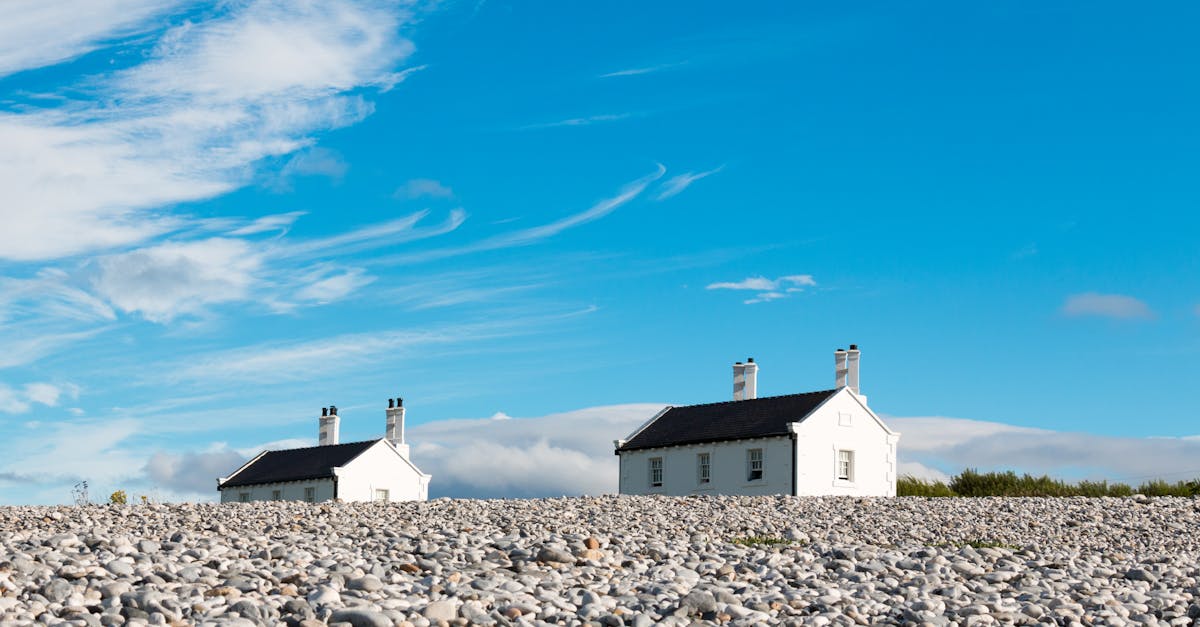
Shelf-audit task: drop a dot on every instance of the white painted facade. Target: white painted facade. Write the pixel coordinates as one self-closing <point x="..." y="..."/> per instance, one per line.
<point x="805" y="463"/>
<point x="381" y="467"/>
<point x="322" y="490"/>
<point x="382" y="471"/>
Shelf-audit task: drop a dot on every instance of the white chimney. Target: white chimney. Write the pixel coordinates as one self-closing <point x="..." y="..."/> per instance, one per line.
<point x="329" y="426"/>
<point x="839" y="367"/>
<point x="751" y="379"/>
<point x="852" y="357"/>
<point x="395" y="425"/>
<point x="739" y="381"/>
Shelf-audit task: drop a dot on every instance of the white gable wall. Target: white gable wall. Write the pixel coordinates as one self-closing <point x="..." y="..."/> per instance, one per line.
<point x="728" y="473"/>
<point x="381" y="467"/>
<point x="825" y="431"/>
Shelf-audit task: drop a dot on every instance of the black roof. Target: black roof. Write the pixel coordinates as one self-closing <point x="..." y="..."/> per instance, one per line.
<point x="298" y="464"/>
<point x="731" y="420"/>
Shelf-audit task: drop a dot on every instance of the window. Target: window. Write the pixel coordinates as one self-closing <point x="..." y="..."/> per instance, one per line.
<point x="310" y="495"/>
<point x="276" y="495"/>
<point x="754" y="464"/>
<point x="845" y="419"/>
<point x="656" y="472"/>
<point x="243" y="497"/>
<point x="381" y="495"/>
<point x="845" y="465"/>
<point x="703" y="467"/>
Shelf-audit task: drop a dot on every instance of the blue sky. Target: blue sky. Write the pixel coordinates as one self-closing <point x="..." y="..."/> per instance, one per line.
<point x="219" y="220"/>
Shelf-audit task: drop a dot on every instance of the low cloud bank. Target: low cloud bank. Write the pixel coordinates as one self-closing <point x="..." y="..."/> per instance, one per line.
<point x="571" y="453"/>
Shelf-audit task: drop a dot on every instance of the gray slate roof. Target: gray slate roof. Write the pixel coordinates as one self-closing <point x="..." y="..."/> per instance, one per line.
<point x="731" y="420"/>
<point x="298" y="464"/>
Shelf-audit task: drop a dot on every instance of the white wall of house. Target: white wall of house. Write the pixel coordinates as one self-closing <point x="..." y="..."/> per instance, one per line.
<point x="289" y="491"/>
<point x="843" y="423"/>
<point x="381" y="467"/>
<point x="728" y="472"/>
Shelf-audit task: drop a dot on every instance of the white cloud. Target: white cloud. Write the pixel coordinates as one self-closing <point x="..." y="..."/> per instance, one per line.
<point x="421" y="188"/>
<point x="67" y="452"/>
<point x="28" y="346"/>
<point x="327" y="287"/>
<point x="164" y="281"/>
<point x="1116" y="306"/>
<point x="677" y="184"/>
<point x="950" y="445"/>
<point x="768" y="289"/>
<point x="638" y="71"/>
<point x="313" y="162"/>
<point x="192" y="472"/>
<point x="584" y="121"/>
<point x="561" y="454"/>
<point x="36" y="33"/>
<point x="272" y="362"/>
<point x="373" y="236"/>
<point x="535" y="234"/>
<point x="277" y="222"/>
<point x="214" y="98"/>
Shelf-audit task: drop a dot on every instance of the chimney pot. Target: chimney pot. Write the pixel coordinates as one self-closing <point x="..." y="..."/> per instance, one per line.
<point x="750" y="376"/>
<point x="324" y="411"/>
<point x="391" y="403"/>
<point x="399" y="401"/>
<point x="840" y="369"/>
<point x="333" y="410"/>
<point x="854" y="347"/>
<point x="749" y="360"/>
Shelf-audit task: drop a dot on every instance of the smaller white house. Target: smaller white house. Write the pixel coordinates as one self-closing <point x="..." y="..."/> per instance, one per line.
<point x="827" y="442"/>
<point x="372" y="470"/>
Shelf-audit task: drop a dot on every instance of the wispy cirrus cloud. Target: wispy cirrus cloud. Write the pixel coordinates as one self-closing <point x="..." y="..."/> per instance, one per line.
<point x="768" y="289"/>
<point x="583" y="121"/>
<point x="1115" y="306"/>
<point x="677" y="184"/>
<point x="525" y="237"/>
<point x="423" y="188"/>
<point x="212" y="99"/>
<point x="36" y="34"/>
<point x="638" y="71"/>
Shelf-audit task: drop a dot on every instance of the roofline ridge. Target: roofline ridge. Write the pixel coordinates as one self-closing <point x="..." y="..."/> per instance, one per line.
<point x="305" y="448"/>
<point x="760" y="398"/>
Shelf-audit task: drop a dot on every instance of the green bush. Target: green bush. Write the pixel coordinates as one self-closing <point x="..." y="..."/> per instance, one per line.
<point x="911" y="486"/>
<point x="971" y="482"/>
<point x="118" y="498"/>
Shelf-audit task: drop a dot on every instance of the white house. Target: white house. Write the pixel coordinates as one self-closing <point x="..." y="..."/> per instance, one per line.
<point x="373" y="470"/>
<point x="813" y="443"/>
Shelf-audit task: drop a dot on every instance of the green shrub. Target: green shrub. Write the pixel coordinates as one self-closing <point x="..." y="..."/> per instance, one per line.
<point x="911" y="486"/>
<point x="118" y="498"/>
<point x="971" y="482"/>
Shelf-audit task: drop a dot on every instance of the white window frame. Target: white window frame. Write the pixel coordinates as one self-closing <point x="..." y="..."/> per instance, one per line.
<point x="310" y="495"/>
<point x="703" y="468"/>
<point x="754" y="464"/>
<point x="656" y="472"/>
<point x="844" y="470"/>
<point x="845" y="419"/>
<point x="243" y="497"/>
<point x="381" y="495"/>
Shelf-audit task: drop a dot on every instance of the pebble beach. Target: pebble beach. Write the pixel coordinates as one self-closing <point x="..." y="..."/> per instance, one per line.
<point x="607" y="561"/>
